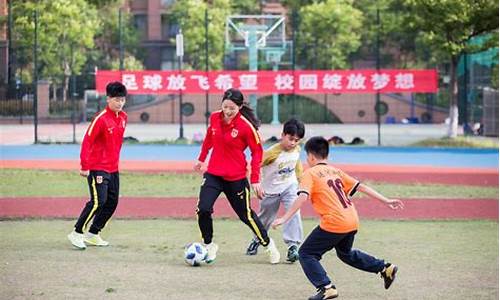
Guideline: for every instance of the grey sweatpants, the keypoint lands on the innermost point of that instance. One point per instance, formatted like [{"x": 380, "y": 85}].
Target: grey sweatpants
[{"x": 269, "y": 205}]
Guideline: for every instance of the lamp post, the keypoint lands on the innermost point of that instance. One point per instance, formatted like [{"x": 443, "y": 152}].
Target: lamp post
[
  {"x": 377, "y": 98},
  {"x": 274, "y": 57},
  {"x": 179, "y": 49},
  {"x": 275, "y": 120},
  {"x": 120, "y": 34},
  {"x": 35, "y": 75},
  {"x": 10, "y": 71},
  {"x": 73, "y": 95},
  {"x": 207, "y": 113}
]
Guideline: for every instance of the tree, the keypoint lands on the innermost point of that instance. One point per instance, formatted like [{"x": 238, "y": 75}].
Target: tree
[
  {"x": 130, "y": 62},
  {"x": 106, "y": 53},
  {"x": 66, "y": 31},
  {"x": 102, "y": 3},
  {"x": 190, "y": 15},
  {"x": 297, "y": 4},
  {"x": 399, "y": 46},
  {"x": 246, "y": 7},
  {"x": 494, "y": 77},
  {"x": 328, "y": 32},
  {"x": 446, "y": 28}
]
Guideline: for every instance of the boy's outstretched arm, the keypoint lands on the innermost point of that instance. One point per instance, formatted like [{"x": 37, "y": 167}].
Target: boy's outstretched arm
[
  {"x": 392, "y": 203},
  {"x": 295, "y": 207}
]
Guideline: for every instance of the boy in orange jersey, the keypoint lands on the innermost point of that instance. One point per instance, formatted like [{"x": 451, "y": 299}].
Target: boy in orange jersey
[{"x": 329, "y": 190}]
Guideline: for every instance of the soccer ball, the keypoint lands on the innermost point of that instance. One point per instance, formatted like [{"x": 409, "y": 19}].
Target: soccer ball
[{"x": 195, "y": 254}]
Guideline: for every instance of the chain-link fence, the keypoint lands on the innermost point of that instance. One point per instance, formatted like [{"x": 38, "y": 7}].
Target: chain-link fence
[{"x": 74, "y": 101}]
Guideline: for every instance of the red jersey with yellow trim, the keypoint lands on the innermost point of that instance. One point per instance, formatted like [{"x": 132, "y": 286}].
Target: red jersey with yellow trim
[
  {"x": 330, "y": 191},
  {"x": 228, "y": 143},
  {"x": 102, "y": 142}
]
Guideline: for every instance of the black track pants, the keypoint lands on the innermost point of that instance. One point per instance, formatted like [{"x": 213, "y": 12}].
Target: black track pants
[
  {"x": 238, "y": 194},
  {"x": 104, "y": 190}
]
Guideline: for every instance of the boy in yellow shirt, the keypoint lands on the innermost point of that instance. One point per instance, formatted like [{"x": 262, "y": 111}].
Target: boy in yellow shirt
[{"x": 281, "y": 170}]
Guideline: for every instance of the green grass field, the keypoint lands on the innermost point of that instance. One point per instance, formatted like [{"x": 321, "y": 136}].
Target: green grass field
[
  {"x": 460, "y": 142},
  {"x": 437, "y": 260},
  {"x": 28, "y": 183}
]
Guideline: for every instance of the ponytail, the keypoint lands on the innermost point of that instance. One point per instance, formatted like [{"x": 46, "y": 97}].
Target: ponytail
[{"x": 247, "y": 112}]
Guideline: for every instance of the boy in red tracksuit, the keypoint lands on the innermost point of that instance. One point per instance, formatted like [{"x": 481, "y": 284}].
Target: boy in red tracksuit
[
  {"x": 99, "y": 158},
  {"x": 231, "y": 131}
]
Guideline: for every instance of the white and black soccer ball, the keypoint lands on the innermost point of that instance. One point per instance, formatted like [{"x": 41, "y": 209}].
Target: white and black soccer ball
[{"x": 195, "y": 254}]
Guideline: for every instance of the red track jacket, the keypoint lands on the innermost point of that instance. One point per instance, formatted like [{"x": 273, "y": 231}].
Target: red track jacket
[
  {"x": 229, "y": 142},
  {"x": 102, "y": 142}
]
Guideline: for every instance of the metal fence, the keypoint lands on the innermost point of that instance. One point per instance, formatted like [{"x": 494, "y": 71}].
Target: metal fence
[{"x": 20, "y": 102}]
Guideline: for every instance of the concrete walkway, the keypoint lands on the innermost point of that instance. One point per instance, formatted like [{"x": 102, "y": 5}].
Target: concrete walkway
[{"x": 391, "y": 134}]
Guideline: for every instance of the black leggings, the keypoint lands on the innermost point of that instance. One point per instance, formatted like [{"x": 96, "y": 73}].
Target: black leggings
[
  {"x": 238, "y": 194},
  {"x": 104, "y": 189}
]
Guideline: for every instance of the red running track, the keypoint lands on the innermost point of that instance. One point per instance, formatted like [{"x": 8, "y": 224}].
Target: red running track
[
  {"x": 132, "y": 207},
  {"x": 379, "y": 173}
]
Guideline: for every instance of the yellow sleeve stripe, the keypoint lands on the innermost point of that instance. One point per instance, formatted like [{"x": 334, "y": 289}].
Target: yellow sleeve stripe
[
  {"x": 271, "y": 154},
  {"x": 255, "y": 133},
  {"x": 299, "y": 170},
  {"x": 94, "y": 121}
]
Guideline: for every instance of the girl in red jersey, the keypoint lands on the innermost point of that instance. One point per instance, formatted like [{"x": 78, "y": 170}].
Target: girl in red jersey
[{"x": 231, "y": 131}]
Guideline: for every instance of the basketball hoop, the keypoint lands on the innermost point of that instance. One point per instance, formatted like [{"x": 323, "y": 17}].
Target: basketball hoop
[{"x": 269, "y": 31}]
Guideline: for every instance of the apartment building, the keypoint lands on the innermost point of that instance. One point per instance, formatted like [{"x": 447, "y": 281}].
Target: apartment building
[{"x": 158, "y": 29}]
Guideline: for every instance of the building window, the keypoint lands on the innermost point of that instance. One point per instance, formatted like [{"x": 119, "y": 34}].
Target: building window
[
  {"x": 141, "y": 24},
  {"x": 169, "y": 27},
  {"x": 164, "y": 26},
  {"x": 174, "y": 29},
  {"x": 168, "y": 58},
  {"x": 167, "y": 3}
]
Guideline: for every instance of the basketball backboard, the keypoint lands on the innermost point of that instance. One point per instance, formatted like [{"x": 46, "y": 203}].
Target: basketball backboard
[{"x": 268, "y": 29}]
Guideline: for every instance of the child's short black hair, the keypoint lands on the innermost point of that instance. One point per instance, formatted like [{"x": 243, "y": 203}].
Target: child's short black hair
[
  {"x": 317, "y": 146},
  {"x": 294, "y": 127},
  {"x": 116, "y": 89}
]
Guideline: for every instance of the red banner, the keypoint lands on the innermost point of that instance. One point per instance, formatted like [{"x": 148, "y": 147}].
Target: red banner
[{"x": 269, "y": 82}]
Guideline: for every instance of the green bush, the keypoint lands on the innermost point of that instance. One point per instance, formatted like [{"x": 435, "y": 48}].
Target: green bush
[
  {"x": 13, "y": 107},
  {"x": 62, "y": 108},
  {"x": 306, "y": 109}
]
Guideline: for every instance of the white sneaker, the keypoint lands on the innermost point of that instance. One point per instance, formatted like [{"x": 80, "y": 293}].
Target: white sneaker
[
  {"x": 95, "y": 240},
  {"x": 274, "y": 254},
  {"x": 76, "y": 240},
  {"x": 212, "y": 252}
]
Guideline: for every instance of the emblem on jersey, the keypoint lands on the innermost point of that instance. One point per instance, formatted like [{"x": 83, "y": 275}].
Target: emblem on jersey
[
  {"x": 110, "y": 130},
  {"x": 234, "y": 133},
  {"x": 98, "y": 179}
]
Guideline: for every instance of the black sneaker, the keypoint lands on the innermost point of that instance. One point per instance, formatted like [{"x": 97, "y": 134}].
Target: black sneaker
[
  {"x": 323, "y": 294},
  {"x": 389, "y": 274},
  {"x": 293, "y": 254},
  {"x": 252, "y": 247}
]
